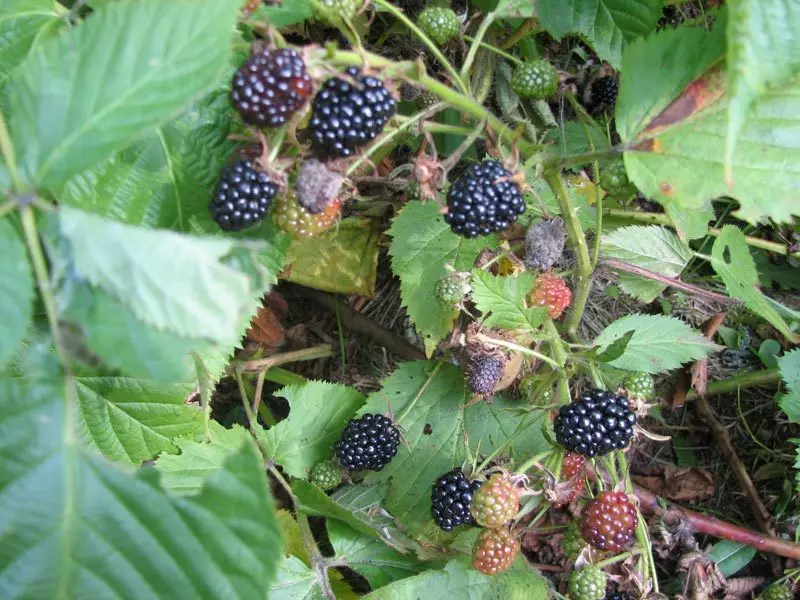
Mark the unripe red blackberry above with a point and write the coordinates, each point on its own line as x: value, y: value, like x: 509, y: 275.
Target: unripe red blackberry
x: 609, y: 521
x: 550, y: 292
x: 270, y: 87
x: 243, y: 196
x: 495, y: 551
x: 496, y: 502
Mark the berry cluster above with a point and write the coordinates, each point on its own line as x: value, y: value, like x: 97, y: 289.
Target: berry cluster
x: 483, y: 200
x: 609, y: 521
x: 451, y: 289
x: 596, y: 424
x: 451, y: 498
x: 614, y: 179
x: 776, y: 591
x: 243, y: 196
x: 294, y: 219
x: 604, y: 91
x: 639, y: 385
x: 368, y: 443
x: 270, y: 87
x: 348, y: 114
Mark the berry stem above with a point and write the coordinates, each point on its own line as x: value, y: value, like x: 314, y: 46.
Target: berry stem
x: 578, y: 239
x: 206, y: 389
x: 534, y: 461
x: 559, y: 353
x: 410, y: 405
x: 473, y: 49
x: 613, y: 560
x: 528, y: 26
x: 494, y: 49
x: 517, y: 348
x: 264, y: 364
x: 448, y: 66
x: 521, y: 427
x: 7, y: 150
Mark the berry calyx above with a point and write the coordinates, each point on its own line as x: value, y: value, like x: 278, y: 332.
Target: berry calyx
x: 270, y: 87
x: 451, y: 498
x: 349, y: 114
x: 640, y: 386
x: 242, y: 197
x: 587, y: 583
x: 776, y: 592
x: 495, y: 551
x: 596, y: 424
x: 368, y: 443
x: 551, y: 292
x: 484, y: 373
x: 544, y: 244
x: 483, y: 200
x: 294, y: 219
x: 325, y: 475
x: 451, y: 289
x: 614, y: 179
x: 535, y: 79
x: 439, y: 23
x: 496, y: 502
x: 609, y: 522
x: 604, y: 91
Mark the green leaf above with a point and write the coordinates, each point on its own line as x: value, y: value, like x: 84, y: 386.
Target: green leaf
x: 187, y: 472
x: 318, y: 413
x: 608, y: 25
x: 94, y: 531
x: 435, y: 427
x: 658, y: 344
x: 789, y: 365
x: 676, y: 120
x: 171, y: 281
x: 542, y: 202
x: 615, y: 349
x: 502, y: 301
x: 376, y: 562
x: 283, y: 14
x: 16, y: 291
x: 343, y: 260
x: 23, y: 25
x: 569, y: 138
x: 731, y: 557
x: 422, y: 244
x: 732, y: 262
x: 653, y: 248
x: 132, y: 420
x: 295, y: 581
x: 164, y: 179
x: 762, y: 53
x: 110, y: 80
x: 459, y: 581
x: 510, y: 9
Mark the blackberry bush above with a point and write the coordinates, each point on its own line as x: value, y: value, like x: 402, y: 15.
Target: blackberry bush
x: 451, y: 498
x: 243, y: 196
x: 270, y: 87
x: 368, y: 443
x: 348, y: 114
x: 596, y: 424
x: 483, y: 200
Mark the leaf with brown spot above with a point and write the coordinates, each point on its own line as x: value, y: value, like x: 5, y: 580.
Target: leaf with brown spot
x: 267, y: 330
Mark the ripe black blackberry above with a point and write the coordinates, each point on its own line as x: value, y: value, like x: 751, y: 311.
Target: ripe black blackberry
x: 243, y: 196
x: 270, y: 87
x: 345, y: 116
x: 484, y: 373
x: 483, y: 200
x: 595, y: 424
x: 368, y: 443
x: 451, y: 496
x: 617, y: 595
x: 604, y: 91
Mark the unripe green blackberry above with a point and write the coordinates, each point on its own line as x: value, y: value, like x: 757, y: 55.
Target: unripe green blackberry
x: 333, y: 12
x: 614, y: 179
x: 776, y: 592
x: 640, y: 386
x: 439, y: 23
x: 572, y: 543
x: 451, y: 289
x: 587, y: 583
x: 496, y: 502
x: 527, y: 390
x: 326, y: 475
x: 536, y: 79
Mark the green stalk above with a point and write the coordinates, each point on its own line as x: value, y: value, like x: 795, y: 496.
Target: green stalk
x: 7, y: 150
x: 528, y: 26
x: 560, y: 355
x: 448, y: 66
x: 578, y: 240
x: 494, y: 49
x: 473, y: 49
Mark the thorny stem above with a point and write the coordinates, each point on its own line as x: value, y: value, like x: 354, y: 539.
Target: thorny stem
x: 557, y: 163
x: 766, y: 377
x: 578, y: 240
x: 448, y: 66
x: 252, y: 420
x: 424, y: 387
x: 473, y: 49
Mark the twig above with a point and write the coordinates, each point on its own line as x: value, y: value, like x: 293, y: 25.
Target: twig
x: 767, y: 377
x: 528, y: 26
x: 264, y: 364
x: 670, y: 281
x: 364, y: 325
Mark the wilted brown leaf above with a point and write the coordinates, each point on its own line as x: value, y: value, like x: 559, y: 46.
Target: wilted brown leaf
x: 680, y: 484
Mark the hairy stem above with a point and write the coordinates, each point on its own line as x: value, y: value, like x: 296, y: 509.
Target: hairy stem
x: 583, y: 277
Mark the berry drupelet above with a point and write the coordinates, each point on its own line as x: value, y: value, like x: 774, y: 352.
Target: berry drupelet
x: 596, y: 424
x: 270, y: 87
x: 345, y: 116
x: 451, y: 497
x: 243, y: 196
x: 483, y: 200
x: 368, y: 443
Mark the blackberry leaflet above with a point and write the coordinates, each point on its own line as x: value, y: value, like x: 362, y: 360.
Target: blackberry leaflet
x: 345, y: 117
x: 368, y: 443
x: 243, y: 196
x: 451, y: 497
x: 270, y: 87
x: 483, y: 200
x: 595, y: 424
